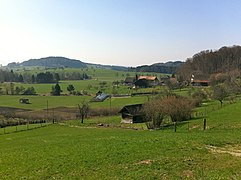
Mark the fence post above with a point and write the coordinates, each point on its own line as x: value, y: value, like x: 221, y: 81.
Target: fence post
x: 175, y: 126
x: 204, y: 123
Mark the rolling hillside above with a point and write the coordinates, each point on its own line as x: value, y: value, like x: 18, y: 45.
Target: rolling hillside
x: 58, y: 62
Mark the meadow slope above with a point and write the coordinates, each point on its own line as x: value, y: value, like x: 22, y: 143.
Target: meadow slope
x: 64, y: 151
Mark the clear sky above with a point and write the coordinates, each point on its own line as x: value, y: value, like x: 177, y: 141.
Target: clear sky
x: 116, y: 32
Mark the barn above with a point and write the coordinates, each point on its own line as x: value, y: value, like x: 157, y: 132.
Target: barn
x: 132, y: 114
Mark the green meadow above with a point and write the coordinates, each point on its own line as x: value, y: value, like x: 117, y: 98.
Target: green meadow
x: 40, y: 102
x: 103, y: 148
x: 75, y: 151
x: 90, y: 86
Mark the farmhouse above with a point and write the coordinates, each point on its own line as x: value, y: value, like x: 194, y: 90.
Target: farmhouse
x: 146, y: 81
x: 132, y: 113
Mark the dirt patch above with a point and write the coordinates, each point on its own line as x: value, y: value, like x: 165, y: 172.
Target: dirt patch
x: 148, y: 161
x: 232, y: 150
x: 12, y: 109
x: 195, y: 126
x: 187, y: 174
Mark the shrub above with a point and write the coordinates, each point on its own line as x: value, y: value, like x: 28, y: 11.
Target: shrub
x: 178, y: 108
x: 198, y: 98
x: 154, y: 113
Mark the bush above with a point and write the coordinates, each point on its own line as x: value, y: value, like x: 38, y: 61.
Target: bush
x: 154, y: 113
x: 198, y: 98
x: 178, y: 108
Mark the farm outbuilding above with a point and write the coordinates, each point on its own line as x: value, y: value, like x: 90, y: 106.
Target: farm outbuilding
x: 132, y: 114
x: 200, y: 83
x: 100, y: 97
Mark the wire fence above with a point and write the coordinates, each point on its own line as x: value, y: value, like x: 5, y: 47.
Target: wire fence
x: 19, y: 128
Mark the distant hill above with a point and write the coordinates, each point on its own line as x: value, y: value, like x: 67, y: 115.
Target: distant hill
x: 52, y: 62
x: 169, y: 67
x: 56, y: 62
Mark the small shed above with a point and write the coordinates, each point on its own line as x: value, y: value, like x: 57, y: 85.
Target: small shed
x: 24, y: 101
x: 132, y: 114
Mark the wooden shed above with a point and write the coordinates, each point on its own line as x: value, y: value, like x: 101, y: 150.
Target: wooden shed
x: 132, y: 114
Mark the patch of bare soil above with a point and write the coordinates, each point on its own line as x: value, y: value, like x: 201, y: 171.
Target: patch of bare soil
x: 232, y: 150
x: 12, y: 109
x: 148, y: 161
x: 195, y: 126
x: 188, y: 174
x: 56, y: 113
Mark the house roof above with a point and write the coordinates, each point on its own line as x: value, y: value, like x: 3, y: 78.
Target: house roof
x: 152, y: 78
x: 132, y: 109
x: 101, y: 97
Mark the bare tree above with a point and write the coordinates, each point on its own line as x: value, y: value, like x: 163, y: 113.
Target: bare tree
x: 83, y: 110
x: 178, y: 108
x: 153, y: 111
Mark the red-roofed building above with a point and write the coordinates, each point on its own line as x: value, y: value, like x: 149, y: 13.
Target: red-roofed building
x: 200, y: 82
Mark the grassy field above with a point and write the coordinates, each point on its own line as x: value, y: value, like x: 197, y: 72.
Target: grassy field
x: 40, y: 102
x: 91, y: 86
x: 96, y: 73
x: 74, y: 151
x: 71, y: 150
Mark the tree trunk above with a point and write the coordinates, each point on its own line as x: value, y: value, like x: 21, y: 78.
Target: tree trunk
x: 221, y: 103
x: 82, y: 119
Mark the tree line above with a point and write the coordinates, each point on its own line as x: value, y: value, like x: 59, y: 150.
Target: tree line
x: 11, y: 89
x: 42, y: 77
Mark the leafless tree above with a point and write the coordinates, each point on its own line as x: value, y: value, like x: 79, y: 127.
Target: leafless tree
x: 83, y: 110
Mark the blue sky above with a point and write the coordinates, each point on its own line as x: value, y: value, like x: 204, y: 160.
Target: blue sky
x: 118, y: 32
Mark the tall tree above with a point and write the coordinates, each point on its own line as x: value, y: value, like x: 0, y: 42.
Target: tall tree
x: 56, y: 90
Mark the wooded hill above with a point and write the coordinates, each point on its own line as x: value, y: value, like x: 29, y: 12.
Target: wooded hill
x: 62, y: 62
x: 52, y: 62
x: 208, y: 62
x: 166, y: 68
